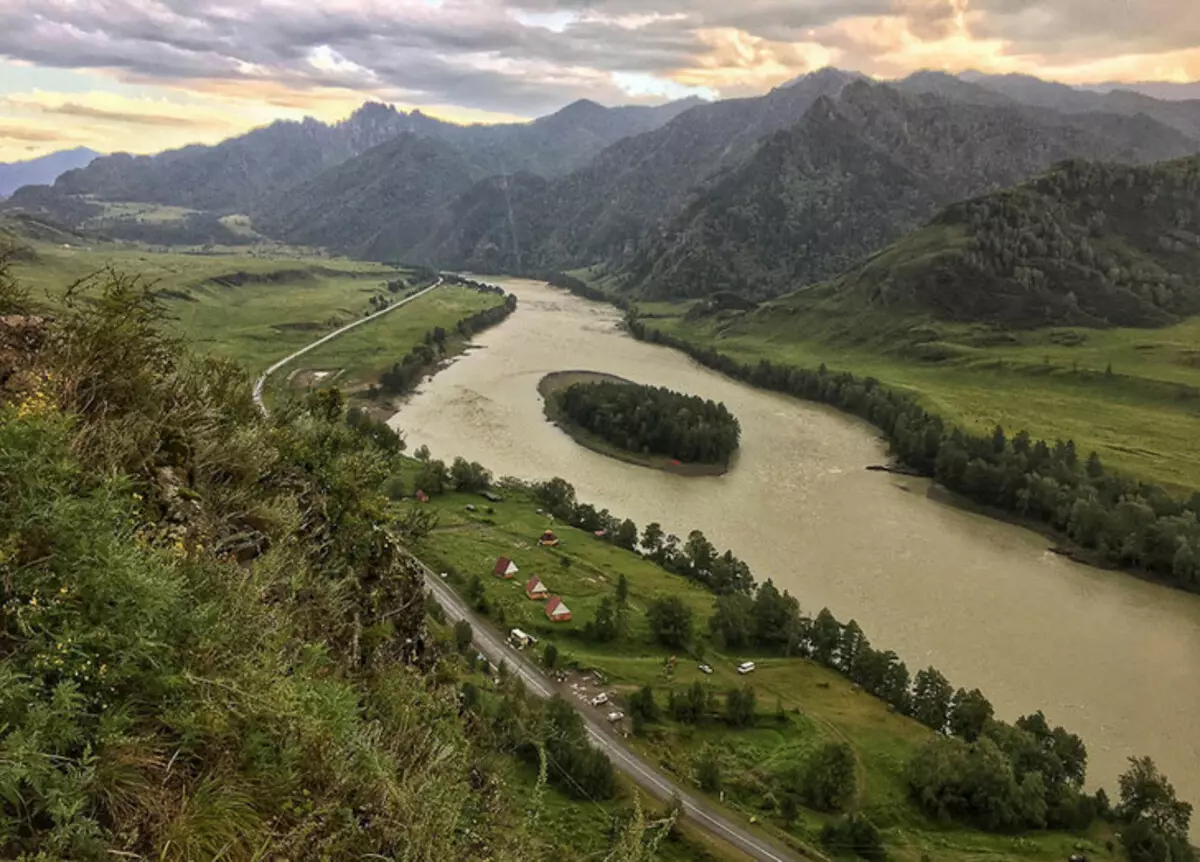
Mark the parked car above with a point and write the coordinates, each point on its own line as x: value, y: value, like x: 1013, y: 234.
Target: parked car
x: 746, y: 667
x: 599, y: 700
x: 616, y: 715
x: 705, y: 668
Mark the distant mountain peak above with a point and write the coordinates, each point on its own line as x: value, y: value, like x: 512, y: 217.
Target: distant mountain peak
x: 824, y: 76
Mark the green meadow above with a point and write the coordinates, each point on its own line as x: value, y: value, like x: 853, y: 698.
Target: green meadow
x: 1132, y: 395
x: 800, y: 705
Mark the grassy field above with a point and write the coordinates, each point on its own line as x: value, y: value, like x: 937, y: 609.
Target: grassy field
x: 248, y: 308
x: 1142, y: 416
x: 361, y: 355
x: 817, y: 704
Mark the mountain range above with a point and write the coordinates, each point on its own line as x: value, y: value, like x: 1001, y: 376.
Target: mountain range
x: 755, y: 196
x: 42, y: 170
x: 1085, y: 244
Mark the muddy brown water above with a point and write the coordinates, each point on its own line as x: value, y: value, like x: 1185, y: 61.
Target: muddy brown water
x: 1103, y: 653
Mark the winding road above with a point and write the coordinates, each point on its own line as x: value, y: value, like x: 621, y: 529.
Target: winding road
x: 703, y: 815
x: 698, y: 811
x: 262, y: 380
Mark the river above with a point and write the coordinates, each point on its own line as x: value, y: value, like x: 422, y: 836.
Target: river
x: 1103, y: 653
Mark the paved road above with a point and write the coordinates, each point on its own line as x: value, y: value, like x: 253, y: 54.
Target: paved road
x: 697, y: 810
x: 262, y: 380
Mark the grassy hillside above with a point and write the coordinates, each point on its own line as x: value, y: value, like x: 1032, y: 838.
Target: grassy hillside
x: 213, y: 646
x: 818, y: 705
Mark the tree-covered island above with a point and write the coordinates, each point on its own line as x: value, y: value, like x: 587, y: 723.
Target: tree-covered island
x: 649, y: 425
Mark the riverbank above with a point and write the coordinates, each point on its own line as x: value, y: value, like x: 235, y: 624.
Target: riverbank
x: 981, y: 600
x: 557, y: 381
x: 801, y: 706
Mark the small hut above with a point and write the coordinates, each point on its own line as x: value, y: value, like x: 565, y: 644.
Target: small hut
x: 548, y: 539
x: 505, y: 568
x: 557, y: 610
x: 535, y: 589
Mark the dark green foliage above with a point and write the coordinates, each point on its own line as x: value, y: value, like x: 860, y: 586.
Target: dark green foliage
x: 603, y: 628
x: 577, y: 768
x: 969, y: 714
x: 975, y: 782
x: 463, y: 635
x: 830, y: 780
x: 626, y: 535
x: 688, y: 706
x: 434, y: 478
x: 1147, y: 795
x: 469, y: 475
x: 776, y: 618
x: 789, y: 809
x: 853, y: 836
x: 825, y: 637
x: 670, y: 621
x: 740, y: 704
x: 1126, y: 522
x: 931, y: 699
x: 708, y: 771
x: 422, y: 358
x: 642, y: 705
x: 732, y: 621
x: 652, y: 420
x: 550, y: 656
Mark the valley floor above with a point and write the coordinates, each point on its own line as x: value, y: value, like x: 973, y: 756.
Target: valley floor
x: 1132, y: 395
x: 800, y: 705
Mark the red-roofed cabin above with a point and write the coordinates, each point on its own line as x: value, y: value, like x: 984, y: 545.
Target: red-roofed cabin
x: 505, y: 568
x: 548, y: 539
x: 557, y: 610
x: 535, y: 589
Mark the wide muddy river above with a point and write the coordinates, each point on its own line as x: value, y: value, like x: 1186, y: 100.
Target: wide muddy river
x: 1103, y: 653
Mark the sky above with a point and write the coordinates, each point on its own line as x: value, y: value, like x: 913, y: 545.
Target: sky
x: 146, y: 75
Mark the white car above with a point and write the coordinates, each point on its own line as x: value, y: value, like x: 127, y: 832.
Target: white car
x: 746, y: 667
x: 705, y: 668
x: 616, y: 716
x: 599, y: 700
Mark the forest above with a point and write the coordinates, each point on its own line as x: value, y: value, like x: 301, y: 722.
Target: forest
x: 652, y: 420
x: 1116, y: 520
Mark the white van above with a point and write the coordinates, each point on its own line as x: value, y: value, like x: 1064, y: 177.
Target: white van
x: 746, y: 667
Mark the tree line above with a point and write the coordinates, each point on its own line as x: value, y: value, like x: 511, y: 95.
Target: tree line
x: 1125, y: 522
x: 406, y: 373
x: 652, y: 420
x: 977, y: 769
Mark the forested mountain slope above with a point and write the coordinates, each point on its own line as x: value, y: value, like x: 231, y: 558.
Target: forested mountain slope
x: 605, y: 209
x: 235, y: 174
x: 378, y: 205
x: 862, y: 171
x: 1087, y: 244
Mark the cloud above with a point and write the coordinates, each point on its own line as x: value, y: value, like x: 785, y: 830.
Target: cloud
x: 72, y: 109
x: 522, y: 58
x: 16, y: 132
